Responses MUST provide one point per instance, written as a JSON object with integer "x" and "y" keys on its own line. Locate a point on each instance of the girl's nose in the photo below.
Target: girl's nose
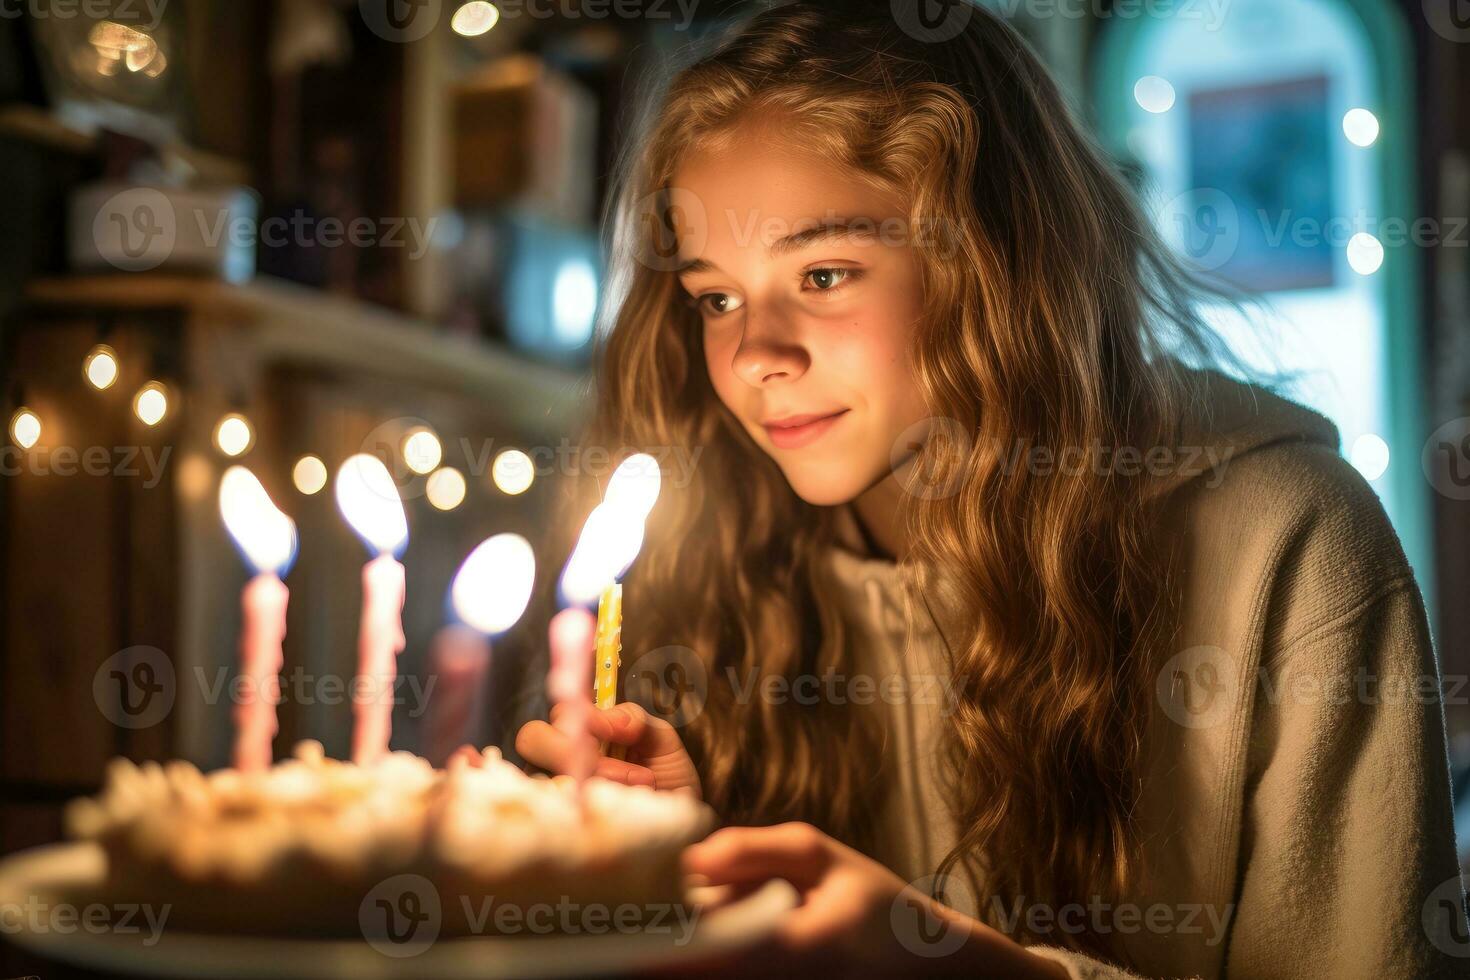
{"x": 767, "y": 356}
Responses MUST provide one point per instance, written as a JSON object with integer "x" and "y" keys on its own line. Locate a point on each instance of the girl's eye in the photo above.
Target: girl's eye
{"x": 829, "y": 280}
{"x": 717, "y": 304}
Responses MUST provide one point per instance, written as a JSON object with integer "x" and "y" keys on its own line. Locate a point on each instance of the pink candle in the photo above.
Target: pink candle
{"x": 263, "y": 604}
{"x": 267, "y": 539}
{"x": 369, "y": 500}
{"x": 569, "y": 683}
{"x": 459, "y": 662}
{"x": 380, "y": 639}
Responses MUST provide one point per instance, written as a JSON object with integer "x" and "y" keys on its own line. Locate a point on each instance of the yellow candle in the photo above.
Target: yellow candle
{"x": 609, "y": 646}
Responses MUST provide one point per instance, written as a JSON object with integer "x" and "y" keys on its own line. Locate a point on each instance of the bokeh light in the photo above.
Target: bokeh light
{"x": 309, "y": 475}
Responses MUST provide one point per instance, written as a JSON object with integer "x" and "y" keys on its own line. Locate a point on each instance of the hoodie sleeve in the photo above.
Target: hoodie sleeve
{"x": 1347, "y": 865}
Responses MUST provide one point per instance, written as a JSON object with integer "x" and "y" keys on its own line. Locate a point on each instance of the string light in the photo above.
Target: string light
{"x": 1154, "y": 94}
{"x": 1365, "y": 253}
{"x": 309, "y": 475}
{"x": 475, "y": 18}
{"x": 421, "y": 450}
{"x": 25, "y": 427}
{"x": 1360, "y": 127}
{"x": 233, "y": 435}
{"x": 513, "y": 472}
{"x": 100, "y": 368}
{"x": 150, "y": 404}
{"x": 446, "y": 488}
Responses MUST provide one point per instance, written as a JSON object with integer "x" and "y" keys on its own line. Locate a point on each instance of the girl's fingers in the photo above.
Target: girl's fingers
{"x": 797, "y": 852}
{"x": 542, "y": 745}
{"x": 628, "y": 724}
{"x": 604, "y": 724}
{"x": 625, "y": 772}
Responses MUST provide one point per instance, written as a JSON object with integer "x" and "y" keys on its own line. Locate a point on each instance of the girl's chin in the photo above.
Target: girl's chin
{"x": 826, "y": 489}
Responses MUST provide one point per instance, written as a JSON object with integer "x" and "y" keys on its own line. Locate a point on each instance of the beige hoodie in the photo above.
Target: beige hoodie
{"x": 1296, "y": 810}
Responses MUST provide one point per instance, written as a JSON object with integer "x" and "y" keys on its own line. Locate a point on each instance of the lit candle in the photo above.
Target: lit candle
{"x": 368, "y": 499}
{"x": 459, "y": 662}
{"x": 609, "y": 645}
{"x": 609, "y": 542}
{"x": 489, "y": 594}
{"x": 267, "y": 539}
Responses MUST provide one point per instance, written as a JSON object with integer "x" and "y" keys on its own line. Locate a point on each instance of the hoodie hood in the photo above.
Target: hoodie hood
{"x": 1226, "y": 420}
{"x": 1229, "y": 419}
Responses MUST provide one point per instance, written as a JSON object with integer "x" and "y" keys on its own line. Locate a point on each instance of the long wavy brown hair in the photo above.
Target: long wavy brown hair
{"x": 1055, "y": 318}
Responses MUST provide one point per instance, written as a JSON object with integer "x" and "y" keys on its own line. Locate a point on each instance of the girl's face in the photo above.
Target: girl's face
{"x": 807, "y": 285}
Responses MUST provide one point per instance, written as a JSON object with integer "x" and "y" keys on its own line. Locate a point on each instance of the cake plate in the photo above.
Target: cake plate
{"x": 42, "y": 900}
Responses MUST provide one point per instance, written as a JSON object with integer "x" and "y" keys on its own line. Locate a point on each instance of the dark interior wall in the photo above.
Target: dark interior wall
{"x": 1442, "y": 81}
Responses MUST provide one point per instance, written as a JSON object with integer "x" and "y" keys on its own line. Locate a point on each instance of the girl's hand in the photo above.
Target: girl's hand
{"x": 656, "y": 756}
{"x": 856, "y": 918}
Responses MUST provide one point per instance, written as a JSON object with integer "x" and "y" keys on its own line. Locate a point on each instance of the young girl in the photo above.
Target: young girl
{"x": 1021, "y": 641}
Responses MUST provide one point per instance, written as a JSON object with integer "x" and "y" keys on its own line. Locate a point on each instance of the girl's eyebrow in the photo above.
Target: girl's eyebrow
{"x": 833, "y": 230}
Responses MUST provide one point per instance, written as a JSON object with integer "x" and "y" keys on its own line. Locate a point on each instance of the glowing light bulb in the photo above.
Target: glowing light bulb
{"x": 513, "y": 472}
{"x": 25, "y": 427}
{"x": 1370, "y": 455}
{"x": 150, "y": 404}
{"x": 1365, "y": 253}
{"x": 309, "y": 474}
{"x": 100, "y": 368}
{"x": 445, "y": 488}
{"x": 1154, "y": 94}
{"x": 421, "y": 450}
{"x": 475, "y": 18}
{"x": 1360, "y": 127}
{"x": 233, "y": 435}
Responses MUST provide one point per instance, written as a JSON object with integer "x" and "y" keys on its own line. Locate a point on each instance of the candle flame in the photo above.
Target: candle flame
{"x": 609, "y": 542}
{"x": 494, "y": 584}
{"x": 264, "y": 535}
{"x": 368, "y": 499}
{"x": 634, "y": 485}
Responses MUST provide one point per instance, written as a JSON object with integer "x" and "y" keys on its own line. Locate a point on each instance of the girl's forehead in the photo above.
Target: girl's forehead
{"x": 768, "y": 194}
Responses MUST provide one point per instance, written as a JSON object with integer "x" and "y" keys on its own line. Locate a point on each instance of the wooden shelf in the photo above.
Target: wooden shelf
{"x": 302, "y": 326}
{"x": 26, "y": 122}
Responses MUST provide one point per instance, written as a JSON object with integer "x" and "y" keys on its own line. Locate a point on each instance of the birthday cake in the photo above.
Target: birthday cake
{"x": 301, "y": 846}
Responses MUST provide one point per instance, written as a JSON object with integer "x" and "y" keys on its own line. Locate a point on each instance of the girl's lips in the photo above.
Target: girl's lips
{"x": 795, "y": 436}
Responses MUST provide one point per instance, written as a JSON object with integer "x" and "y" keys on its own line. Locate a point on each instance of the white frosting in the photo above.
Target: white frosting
{"x": 488, "y": 820}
